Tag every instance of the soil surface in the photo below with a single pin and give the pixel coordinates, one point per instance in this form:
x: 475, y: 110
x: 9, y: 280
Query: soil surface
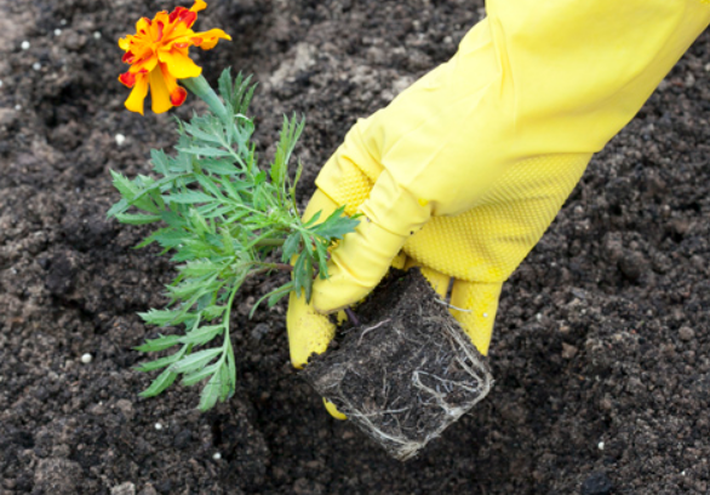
x: 405, y: 371
x: 602, y: 351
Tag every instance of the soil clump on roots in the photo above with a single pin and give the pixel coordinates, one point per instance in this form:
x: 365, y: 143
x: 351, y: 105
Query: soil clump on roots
x: 406, y: 371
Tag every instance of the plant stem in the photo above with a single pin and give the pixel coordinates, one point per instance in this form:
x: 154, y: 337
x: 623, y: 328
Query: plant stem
x: 202, y: 89
x: 284, y: 267
x: 270, y: 243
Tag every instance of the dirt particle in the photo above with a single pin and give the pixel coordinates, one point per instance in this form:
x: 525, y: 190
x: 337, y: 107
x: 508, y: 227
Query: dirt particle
x: 183, y: 439
x: 126, y: 488
x: 568, y: 351
x: 148, y: 490
x: 58, y: 476
x: 597, y: 484
x: 633, y: 266
x: 260, y: 331
x: 686, y: 333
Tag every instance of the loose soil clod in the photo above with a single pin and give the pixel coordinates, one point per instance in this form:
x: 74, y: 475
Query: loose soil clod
x: 406, y: 372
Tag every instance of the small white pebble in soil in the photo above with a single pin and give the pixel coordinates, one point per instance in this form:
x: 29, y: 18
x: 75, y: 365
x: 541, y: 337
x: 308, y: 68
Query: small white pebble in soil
x: 57, y: 32
x: 538, y: 317
x: 97, y: 35
x: 158, y: 426
x: 36, y: 66
x: 216, y: 456
x: 86, y: 358
x: 18, y: 107
x: 600, y: 445
x: 25, y: 45
x: 120, y: 139
x: 63, y: 22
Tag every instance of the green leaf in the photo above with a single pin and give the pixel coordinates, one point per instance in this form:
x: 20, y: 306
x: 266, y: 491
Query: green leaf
x: 290, y: 247
x: 202, y: 335
x: 195, y: 360
x: 167, y: 238
x: 276, y: 296
x: 312, y: 221
x: 210, y: 393
x: 224, y: 83
x: 336, y: 225
x: 322, y: 259
x: 124, y: 186
x: 290, y: 132
x: 227, y: 383
x: 121, y: 206
x: 303, y: 275
x: 162, y: 342
x: 131, y: 219
x: 231, y: 369
x: 188, y: 197
x: 199, y: 375
x: 163, y: 381
x: 219, y: 167
x: 162, y: 362
x: 205, y: 151
x: 213, y: 312
x: 208, y: 184
x: 200, y: 268
x: 160, y: 317
x: 205, y: 129
x: 160, y: 162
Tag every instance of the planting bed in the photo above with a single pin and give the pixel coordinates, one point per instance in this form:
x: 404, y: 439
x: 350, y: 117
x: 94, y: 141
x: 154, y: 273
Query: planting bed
x: 601, y: 353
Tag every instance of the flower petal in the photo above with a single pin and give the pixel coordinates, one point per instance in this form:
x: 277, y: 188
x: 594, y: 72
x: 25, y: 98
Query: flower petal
x: 175, y: 14
x: 177, y: 93
x: 134, y: 103
x: 179, y: 64
x: 208, y: 39
x: 198, y: 6
x: 178, y: 96
x: 127, y: 79
x: 182, y: 16
x: 159, y: 94
x: 143, y: 25
x: 146, y: 64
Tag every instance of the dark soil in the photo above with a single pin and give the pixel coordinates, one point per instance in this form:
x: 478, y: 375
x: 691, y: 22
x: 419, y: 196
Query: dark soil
x: 406, y: 372
x: 601, y: 353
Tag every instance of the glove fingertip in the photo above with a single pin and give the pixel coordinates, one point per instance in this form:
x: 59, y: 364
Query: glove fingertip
x: 333, y: 411
x: 308, y: 331
x: 474, y: 305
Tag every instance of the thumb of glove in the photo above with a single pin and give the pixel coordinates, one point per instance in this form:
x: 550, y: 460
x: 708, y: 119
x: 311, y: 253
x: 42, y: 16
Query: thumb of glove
x: 390, y: 216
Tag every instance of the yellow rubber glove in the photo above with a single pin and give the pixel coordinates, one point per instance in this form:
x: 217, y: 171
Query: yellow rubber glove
x: 466, y: 169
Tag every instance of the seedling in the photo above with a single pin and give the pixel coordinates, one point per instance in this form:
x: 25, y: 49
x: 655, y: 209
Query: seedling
x: 222, y: 217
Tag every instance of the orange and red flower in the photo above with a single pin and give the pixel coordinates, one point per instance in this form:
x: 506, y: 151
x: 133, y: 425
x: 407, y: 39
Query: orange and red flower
x: 158, y: 56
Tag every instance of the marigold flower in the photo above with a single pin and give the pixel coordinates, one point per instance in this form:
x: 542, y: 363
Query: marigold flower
x: 158, y: 55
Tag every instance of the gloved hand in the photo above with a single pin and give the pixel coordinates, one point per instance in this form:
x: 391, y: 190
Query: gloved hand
x: 465, y: 170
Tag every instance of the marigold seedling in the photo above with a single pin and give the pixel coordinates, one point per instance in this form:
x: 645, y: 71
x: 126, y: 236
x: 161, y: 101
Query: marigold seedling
x: 221, y: 216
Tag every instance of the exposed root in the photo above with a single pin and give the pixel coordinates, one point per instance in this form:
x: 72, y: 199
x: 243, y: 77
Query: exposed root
x: 407, y: 376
